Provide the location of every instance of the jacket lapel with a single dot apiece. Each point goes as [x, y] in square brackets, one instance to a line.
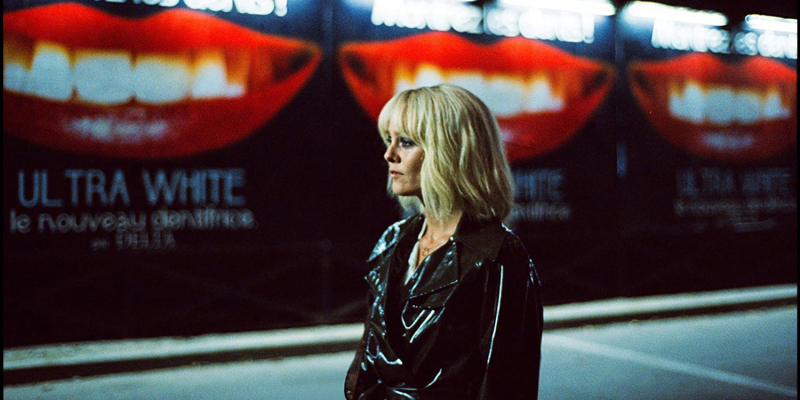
[473, 243]
[433, 277]
[382, 256]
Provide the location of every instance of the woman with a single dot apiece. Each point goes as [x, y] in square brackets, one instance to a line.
[455, 309]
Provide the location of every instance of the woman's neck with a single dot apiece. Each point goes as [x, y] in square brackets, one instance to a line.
[438, 229]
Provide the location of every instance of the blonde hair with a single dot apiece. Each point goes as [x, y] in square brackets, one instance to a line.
[465, 167]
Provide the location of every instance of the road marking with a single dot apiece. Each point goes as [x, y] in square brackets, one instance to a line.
[663, 363]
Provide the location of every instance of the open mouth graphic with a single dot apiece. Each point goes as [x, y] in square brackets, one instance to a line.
[738, 113]
[174, 84]
[540, 95]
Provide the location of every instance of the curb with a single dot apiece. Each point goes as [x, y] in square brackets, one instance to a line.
[63, 361]
[667, 306]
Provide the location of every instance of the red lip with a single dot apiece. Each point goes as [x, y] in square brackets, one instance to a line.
[739, 113]
[270, 71]
[531, 124]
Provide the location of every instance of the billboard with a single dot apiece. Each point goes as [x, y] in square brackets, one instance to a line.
[711, 121]
[150, 145]
[707, 118]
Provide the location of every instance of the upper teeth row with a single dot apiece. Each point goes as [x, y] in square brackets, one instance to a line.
[110, 77]
[723, 105]
[505, 95]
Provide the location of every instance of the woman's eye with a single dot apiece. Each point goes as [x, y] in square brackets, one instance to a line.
[407, 142]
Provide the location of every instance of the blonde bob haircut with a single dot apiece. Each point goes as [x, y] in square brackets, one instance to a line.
[465, 167]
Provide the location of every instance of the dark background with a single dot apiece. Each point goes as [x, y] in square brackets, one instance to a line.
[321, 204]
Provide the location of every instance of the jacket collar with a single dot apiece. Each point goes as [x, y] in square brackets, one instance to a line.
[480, 240]
[484, 236]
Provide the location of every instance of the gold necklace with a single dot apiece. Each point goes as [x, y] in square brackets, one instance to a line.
[429, 249]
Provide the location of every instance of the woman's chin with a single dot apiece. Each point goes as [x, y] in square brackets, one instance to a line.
[404, 192]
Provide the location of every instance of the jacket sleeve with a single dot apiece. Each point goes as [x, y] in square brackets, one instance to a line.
[359, 375]
[511, 327]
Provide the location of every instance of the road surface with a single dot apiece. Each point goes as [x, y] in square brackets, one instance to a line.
[749, 355]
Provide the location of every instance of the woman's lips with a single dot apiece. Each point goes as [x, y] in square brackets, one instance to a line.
[540, 95]
[174, 84]
[739, 113]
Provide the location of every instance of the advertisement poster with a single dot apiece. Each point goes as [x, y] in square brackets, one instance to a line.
[545, 73]
[151, 151]
[709, 135]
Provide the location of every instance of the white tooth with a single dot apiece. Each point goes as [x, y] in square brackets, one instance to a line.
[504, 95]
[237, 64]
[103, 77]
[16, 61]
[403, 78]
[689, 106]
[14, 76]
[234, 90]
[720, 104]
[50, 75]
[209, 75]
[402, 85]
[748, 107]
[471, 81]
[161, 78]
[541, 97]
[428, 75]
[773, 109]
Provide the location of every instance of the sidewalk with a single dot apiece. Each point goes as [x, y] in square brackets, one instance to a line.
[62, 361]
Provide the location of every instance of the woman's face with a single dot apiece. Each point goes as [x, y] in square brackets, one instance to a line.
[405, 163]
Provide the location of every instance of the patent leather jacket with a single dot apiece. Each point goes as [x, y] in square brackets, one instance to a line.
[468, 324]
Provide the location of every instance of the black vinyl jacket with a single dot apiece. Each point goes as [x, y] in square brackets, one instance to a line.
[467, 325]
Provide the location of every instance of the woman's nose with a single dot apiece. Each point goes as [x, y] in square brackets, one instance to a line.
[390, 155]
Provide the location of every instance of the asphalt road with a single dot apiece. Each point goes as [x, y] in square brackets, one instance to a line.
[749, 355]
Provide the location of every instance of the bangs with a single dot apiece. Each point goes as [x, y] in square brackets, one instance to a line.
[401, 109]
